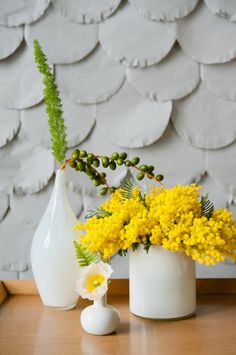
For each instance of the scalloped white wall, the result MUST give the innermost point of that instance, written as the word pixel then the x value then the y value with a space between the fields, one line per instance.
pixel 153 77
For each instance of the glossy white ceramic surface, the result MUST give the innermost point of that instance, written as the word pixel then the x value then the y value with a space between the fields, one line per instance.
pixel 162 284
pixel 52 253
pixel 100 318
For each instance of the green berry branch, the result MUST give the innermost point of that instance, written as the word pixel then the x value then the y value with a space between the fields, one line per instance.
pixel 88 163
pixel 80 160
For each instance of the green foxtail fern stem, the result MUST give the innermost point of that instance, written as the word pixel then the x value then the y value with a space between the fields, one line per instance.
pixel 53 106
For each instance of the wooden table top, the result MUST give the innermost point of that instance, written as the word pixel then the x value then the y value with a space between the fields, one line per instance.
pixel 27 327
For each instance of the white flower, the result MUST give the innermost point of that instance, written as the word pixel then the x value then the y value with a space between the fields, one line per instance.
pixel 92 280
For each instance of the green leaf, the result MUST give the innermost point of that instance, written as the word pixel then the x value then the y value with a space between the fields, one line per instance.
pixel 53 106
pixel 122 252
pixel 135 246
pixel 99 212
pixel 83 255
pixel 127 189
pixel 147 247
pixel 207 206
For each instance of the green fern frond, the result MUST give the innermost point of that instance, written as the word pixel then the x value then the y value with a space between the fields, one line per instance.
pixel 53 106
pixel 83 255
pixel 127 189
pixel 207 206
pixel 99 212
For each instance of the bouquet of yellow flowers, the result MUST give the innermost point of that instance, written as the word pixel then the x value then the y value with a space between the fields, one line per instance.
pixel 177 219
pixel 174 218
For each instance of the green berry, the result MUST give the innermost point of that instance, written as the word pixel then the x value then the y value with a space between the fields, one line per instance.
pixel 112 165
pixel 159 177
pixel 115 156
pixel 103 191
pixel 97 181
pixel 113 189
pixel 120 161
pixel 103 174
pixel 90 156
pixel 150 168
pixel 105 162
pixel 81 165
pixel 96 162
pixel 73 163
pixel 89 161
pixel 135 161
pixel 89 170
pixel 75 155
pixel 140 176
pixel 123 155
pixel 128 163
pixel 150 175
pixel 143 167
pixel 83 154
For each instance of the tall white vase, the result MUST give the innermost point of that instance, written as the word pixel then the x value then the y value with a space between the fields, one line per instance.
pixel 52 253
pixel 162 284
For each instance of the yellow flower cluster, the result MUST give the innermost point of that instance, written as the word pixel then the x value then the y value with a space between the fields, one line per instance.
pixel 169 217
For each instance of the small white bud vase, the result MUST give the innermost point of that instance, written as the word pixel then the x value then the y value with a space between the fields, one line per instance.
pixel 100 318
pixel 162 284
pixel 53 257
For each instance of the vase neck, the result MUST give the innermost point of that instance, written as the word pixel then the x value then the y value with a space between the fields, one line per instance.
pixel 101 302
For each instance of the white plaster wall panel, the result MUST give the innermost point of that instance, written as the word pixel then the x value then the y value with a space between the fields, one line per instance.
pixel 232 208
pixel 93 80
pixel 220 79
pixel 129 120
pixel 25 167
pixel 217 194
pixel 164 10
pixel 120 40
pixel 9 275
pixel 207 38
pixel 15 13
pixel 22 206
pixel 98 144
pixel 79 120
pixel 33 175
pixel 10 39
pixel 221 270
pixel 178 161
pixel 25 275
pixel 86 11
pixel 9 119
pixel 165 74
pixel 173 78
pixel 224 8
pixel 69 44
pixel 91 201
pixel 4 205
pixel 120 265
pixel 15 241
pixel 220 165
pixel 17 73
pixel 9 167
pixel 205 120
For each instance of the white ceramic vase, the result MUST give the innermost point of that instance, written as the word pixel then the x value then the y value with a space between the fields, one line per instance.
pixel 100 318
pixel 162 284
pixel 52 253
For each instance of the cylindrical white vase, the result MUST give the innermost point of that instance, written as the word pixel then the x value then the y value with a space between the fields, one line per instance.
pixel 100 318
pixel 162 284
pixel 53 257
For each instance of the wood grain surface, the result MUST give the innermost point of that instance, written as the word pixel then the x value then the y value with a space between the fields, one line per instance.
pixel 3 293
pixel 120 287
pixel 27 327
